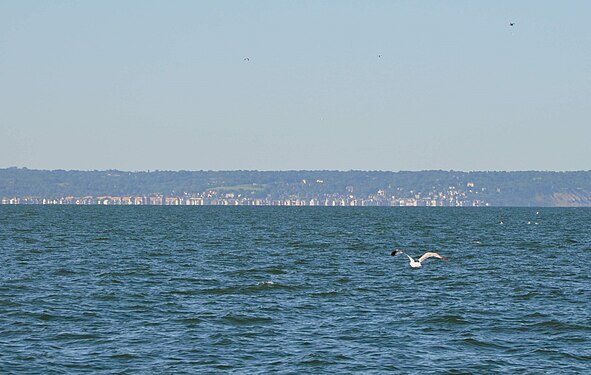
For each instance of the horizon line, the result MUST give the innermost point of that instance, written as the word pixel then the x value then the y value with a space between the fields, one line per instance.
pixel 296 170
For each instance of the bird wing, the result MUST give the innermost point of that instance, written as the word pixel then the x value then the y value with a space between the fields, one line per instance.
pixel 429 255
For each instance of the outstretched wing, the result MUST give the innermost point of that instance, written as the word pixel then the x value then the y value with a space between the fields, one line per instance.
pixel 429 255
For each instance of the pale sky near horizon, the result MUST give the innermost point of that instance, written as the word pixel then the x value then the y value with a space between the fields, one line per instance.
pixel 138 85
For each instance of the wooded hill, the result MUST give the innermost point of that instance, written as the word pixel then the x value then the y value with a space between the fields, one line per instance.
pixel 523 188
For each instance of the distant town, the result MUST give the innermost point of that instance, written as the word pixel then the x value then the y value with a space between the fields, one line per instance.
pixel 451 197
pixel 21 186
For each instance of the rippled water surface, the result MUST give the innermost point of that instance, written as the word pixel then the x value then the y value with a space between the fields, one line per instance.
pixel 293 290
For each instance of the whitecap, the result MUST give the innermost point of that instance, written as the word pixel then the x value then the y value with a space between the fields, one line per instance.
pixel 265 283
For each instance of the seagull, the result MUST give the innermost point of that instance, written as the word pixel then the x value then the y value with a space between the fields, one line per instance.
pixel 511 23
pixel 417 264
pixel 246 59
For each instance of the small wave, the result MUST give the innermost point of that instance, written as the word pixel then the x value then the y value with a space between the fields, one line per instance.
pixel 544 351
pixel 47 317
pixel 191 321
pixel 576 339
pixel 482 344
pixel 536 315
pixel 264 270
pixel 315 362
pixel 246 320
pixel 127 356
pixel 101 239
pixel 27 240
pixel 327 293
pixel 208 291
pixel 307 245
pixel 236 289
pixel 556 325
pixel 449 319
pixel 186 292
pixel 22 230
pixel 76 336
pixel 109 296
pixel 266 283
pixel 357 246
pixel 525 296
pixel 64 272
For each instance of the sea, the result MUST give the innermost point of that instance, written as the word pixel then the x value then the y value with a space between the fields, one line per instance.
pixel 294 290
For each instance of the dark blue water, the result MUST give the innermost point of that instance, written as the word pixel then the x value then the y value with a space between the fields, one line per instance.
pixel 293 290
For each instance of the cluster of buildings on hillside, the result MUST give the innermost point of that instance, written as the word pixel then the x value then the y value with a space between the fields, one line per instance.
pixel 449 198
pixel 183 201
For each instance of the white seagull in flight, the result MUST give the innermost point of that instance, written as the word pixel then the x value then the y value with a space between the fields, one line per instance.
pixel 417 264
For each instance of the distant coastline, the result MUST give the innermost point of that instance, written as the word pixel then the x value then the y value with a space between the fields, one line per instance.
pixel 297 188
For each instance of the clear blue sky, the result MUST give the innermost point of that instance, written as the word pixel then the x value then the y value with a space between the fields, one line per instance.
pixel 140 85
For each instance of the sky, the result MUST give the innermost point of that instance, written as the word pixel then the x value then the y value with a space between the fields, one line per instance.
pixel 293 85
